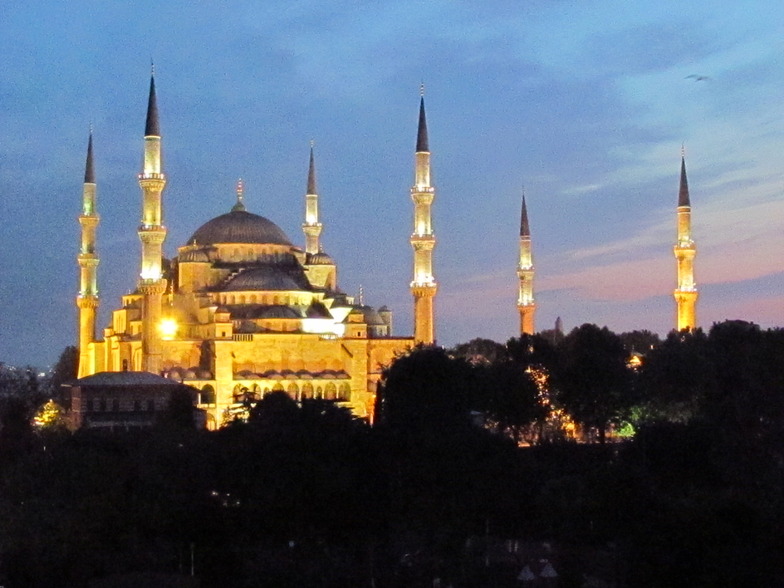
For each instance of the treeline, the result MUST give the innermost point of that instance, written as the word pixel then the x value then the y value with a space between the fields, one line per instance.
pixel 307 495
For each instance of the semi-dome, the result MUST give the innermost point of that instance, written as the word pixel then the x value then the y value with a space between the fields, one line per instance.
pixel 319 258
pixel 267 277
pixel 239 226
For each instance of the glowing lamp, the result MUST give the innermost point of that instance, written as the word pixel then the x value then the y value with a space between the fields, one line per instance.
pixel 168 329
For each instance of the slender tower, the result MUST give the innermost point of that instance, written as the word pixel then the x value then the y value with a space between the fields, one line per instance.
pixel 525 273
pixel 685 250
pixel 152 234
pixel 424 286
pixel 87 300
pixel 311 227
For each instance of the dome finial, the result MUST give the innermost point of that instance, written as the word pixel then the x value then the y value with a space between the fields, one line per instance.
pixel 240 205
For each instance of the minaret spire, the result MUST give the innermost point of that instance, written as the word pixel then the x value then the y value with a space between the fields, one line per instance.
pixel 87 299
pixel 423 286
pixel 685 250
pixel 152 234
pixel 312 227
pixel 525 274
pixel 683 191
pixel 152 126
pixel 89 167
pixel 422 142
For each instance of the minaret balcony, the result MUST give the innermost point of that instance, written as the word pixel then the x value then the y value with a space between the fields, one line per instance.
pixel 423 242
pixel 152 176
pixel 88 259
pixel 424 288
pixel 152 233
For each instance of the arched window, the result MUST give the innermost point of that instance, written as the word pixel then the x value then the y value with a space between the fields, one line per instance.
pixel 293 391
pixel 278 387
pixel 330 391
pixel 207 395
pixel 307 391
pixel 344 393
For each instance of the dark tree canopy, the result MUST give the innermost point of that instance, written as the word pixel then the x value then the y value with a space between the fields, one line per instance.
pixel 594 380
pixel 64 371
pixel 426 389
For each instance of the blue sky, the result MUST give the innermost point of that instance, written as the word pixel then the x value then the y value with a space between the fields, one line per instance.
pixel 585 103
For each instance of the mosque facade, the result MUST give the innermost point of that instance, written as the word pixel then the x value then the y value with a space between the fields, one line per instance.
pixel 241 310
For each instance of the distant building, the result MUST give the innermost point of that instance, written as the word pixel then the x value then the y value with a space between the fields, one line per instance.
pixel 240 309
pixel 121 400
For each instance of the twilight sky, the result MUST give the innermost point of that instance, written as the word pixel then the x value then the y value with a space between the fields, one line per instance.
pixel 585 103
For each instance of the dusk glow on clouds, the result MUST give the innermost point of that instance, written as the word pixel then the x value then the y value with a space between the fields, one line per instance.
pixel 586 104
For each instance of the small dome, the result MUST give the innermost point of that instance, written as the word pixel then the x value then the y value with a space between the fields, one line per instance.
pixel 320 258
pixel 372 317
pixel 266 277
pixel 194 255
pixel 239 226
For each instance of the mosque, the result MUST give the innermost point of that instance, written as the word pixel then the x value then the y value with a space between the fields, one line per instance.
pixel 241 310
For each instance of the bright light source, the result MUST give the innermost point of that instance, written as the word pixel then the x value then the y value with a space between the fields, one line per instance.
pixel 168 329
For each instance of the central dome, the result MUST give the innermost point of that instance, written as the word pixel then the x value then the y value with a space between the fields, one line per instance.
pixel 239 226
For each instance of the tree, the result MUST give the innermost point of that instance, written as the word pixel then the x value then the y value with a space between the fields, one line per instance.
pixel 594 381
pixel 639 341
pixel 480 351
pixel 65 370
pixel 511 398
pixel 426 389
pixel 675 377
pixel 179 409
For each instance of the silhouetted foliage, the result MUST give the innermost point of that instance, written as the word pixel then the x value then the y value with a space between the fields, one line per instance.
pixel 675 377
pixel 304 494
pixel 64 371
pixel 594 380
pixel 179 409
pixel 639 341
pixel 427 389
pixel 480 351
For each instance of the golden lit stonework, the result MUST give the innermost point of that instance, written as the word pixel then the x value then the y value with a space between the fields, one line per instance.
pixel 240 311
pixel 685 250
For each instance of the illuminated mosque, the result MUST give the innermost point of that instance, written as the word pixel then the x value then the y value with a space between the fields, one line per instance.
pixel 241 310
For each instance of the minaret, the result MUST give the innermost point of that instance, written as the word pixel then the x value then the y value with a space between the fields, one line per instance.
pixel 685 250
pixel 87 300
pixel 424 286
pixel 525 273
pixel 311 227
pixel 152 234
